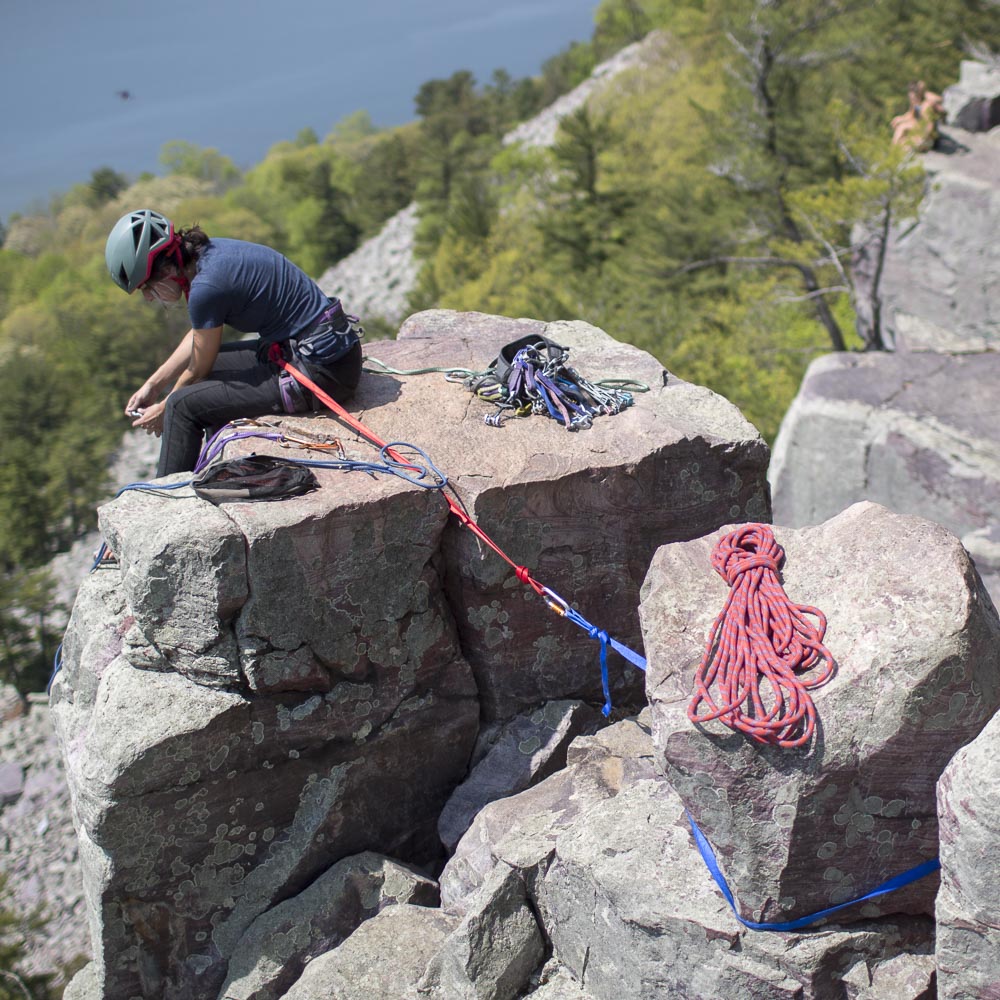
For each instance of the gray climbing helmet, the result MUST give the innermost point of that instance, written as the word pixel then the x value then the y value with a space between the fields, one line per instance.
pixel 134 244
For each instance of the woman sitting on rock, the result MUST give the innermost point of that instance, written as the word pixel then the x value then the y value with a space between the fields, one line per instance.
pixel 251 288
pixel 917 127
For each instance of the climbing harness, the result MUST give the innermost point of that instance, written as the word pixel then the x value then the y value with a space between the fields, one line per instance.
pixel 533 375
pixel 759 647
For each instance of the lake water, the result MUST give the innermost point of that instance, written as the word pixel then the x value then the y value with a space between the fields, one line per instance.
pixel 236 75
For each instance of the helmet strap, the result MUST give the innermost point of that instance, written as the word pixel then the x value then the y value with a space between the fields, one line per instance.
pixel 181 278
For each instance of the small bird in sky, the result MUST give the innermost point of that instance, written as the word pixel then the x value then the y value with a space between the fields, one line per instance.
pixel 125 95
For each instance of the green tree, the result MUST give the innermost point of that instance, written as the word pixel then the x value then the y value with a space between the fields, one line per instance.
pixel 105 185
pixel 190 160
pixel 618 23
pixel 385 182
pixel 879 186
pixel 585 218
pixel 306 137
pixel 353 127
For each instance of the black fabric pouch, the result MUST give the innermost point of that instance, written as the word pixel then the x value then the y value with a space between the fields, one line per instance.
pixel 253 477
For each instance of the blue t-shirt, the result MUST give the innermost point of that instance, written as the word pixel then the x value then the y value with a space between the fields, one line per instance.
pixel 253 289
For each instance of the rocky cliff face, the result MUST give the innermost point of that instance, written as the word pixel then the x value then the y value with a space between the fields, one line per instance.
pixel 257 691
pixel 270 712
pixel 941 284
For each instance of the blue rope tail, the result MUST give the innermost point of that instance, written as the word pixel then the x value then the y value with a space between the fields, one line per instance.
pixel 142 488
pixel 424 474
pixel 560 606
pixel 56 667
pixel 897 882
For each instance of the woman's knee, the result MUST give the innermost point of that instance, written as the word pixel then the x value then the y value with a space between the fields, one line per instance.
pixel 182 406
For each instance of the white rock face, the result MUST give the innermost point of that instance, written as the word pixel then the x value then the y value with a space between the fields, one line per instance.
pixel 541 130
pixel 376 280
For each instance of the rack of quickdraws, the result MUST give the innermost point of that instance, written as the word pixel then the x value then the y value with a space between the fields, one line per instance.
pixel 538 379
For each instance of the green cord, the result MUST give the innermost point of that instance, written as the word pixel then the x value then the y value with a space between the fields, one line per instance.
pixel 628 384
pixel 387 370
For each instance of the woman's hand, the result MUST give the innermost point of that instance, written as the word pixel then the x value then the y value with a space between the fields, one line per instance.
pixel 140 400
pixel 151 420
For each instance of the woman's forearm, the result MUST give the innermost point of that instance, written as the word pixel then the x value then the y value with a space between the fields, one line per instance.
pixel 205 346
pixel 168 372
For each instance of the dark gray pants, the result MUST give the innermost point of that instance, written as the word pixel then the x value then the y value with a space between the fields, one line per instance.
pixel 238 386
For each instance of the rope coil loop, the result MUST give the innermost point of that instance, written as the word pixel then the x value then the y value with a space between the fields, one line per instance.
pixel 759 646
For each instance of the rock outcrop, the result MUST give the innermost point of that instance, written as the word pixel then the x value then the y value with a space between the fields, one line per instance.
pixel 940 286
pixel 258 691
pixel 968 905
pixel 973 103
pixel 607 856
pixel 916 642
pixel 913 431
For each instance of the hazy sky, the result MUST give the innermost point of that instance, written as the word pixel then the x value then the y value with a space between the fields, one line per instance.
pixel 238 75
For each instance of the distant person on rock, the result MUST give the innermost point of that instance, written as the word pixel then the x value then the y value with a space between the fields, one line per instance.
pixel 917 127
pixel 204 384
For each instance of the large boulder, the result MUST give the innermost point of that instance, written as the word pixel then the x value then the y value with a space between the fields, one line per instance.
pixel 633 914
pixel 278 945
pixel 916 642
pixel 384 957
pixel 613 875
pixel 267 688
pixel 526 751
pixel 520 832
pixel 968 905
pixel 583 511
pixel 913 432
pixel 263 745
pixel 973 103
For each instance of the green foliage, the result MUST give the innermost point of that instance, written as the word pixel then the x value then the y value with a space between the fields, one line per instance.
pixel 189 160
pixel 704 210
pixel 306 137
pixel 355 126
pixel 105 185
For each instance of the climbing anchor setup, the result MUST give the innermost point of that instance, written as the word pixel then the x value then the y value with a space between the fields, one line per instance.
pixel 760 639
pixel 533 376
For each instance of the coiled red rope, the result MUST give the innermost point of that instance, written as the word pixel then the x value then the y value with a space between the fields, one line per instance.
pixel 750 677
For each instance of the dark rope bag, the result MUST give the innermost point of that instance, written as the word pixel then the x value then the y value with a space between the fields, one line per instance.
pixel 253 477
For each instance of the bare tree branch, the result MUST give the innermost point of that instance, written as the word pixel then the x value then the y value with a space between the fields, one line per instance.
pixel 829 290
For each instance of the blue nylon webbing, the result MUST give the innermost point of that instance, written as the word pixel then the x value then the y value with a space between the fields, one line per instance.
pixel 897 882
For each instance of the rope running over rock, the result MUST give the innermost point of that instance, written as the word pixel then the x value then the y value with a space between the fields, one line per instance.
pixel 759 647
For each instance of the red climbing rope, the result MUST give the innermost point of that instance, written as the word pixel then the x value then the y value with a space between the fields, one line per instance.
pixel 522 572
pixel 760 645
